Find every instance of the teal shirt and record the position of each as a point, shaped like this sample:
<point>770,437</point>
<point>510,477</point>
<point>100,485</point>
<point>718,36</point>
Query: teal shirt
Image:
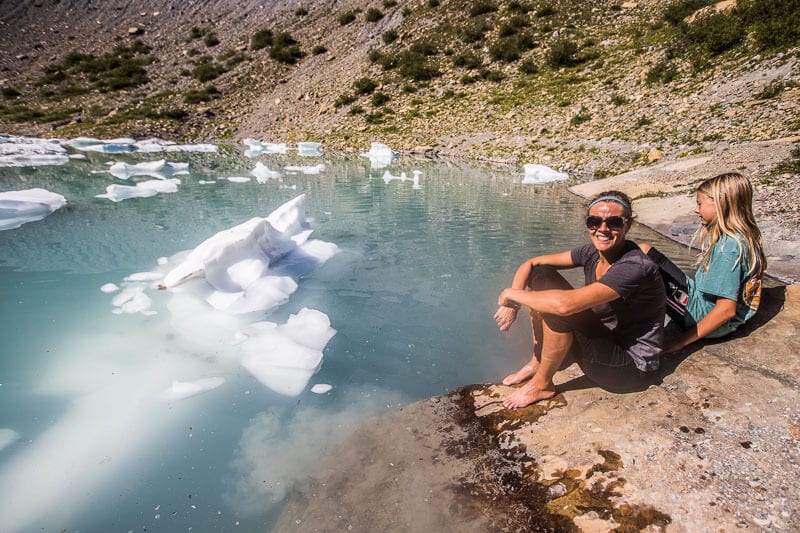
<point>726,277</point>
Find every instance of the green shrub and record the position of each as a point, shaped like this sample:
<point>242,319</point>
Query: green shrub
<point>355,110</point>
<point>379,99</point>
<point>662,72</point>
<point>491,75</point>
<point>619,100</point>
<point>433,3</point>
<point>774,23</point>
<point>261,39</point>
<point>300,12</point>
<point>344,99</point>
<point>467,60</point>
<point>364,85</point>
<point>791,163</point>
<point>716,33</point>
<point>519,7</point>
<point>373,14</point>
<point>643,121</point>
<point>207,71</point>
<point>514,25</point>
<point>424,47</point>
<point>286,54</point>
<point>416,66</point>
<point>546,11</point>
<point>347,17</point>
<point>482,7</point>
<point>509,49</point>
<point>529,66</point>
<point>466,79</point>
<point>211,39</point>
<point>319,49</point>
<point>676,12</point>
<point>475,32</point>
<point>562,54</point>
<point>196,33</point>
<point>206,94</point>
<point>10,93</point>
<point>387,4</point>
<point>582,116</point>
<point>389,36</point>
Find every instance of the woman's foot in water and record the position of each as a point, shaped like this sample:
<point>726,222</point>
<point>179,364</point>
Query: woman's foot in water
<point>526,372</point>
<point>526,395</point>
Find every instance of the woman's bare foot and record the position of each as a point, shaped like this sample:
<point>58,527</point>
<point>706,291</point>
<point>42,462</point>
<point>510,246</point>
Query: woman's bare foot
<point>526,395</point>
<point>520,375</point>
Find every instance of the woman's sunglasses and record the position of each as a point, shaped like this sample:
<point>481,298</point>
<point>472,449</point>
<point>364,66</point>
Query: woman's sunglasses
<point>614,223</point>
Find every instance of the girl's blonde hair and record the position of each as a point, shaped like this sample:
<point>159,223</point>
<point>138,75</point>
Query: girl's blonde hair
<point>732,194</point>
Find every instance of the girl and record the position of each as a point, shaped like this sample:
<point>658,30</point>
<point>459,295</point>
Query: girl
<point>726,288</point>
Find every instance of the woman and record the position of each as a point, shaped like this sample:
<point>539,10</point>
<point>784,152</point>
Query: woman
<point>726,288</point>
<point>613,326</point>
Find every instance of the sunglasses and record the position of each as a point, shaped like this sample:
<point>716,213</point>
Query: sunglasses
<point>614,223</point>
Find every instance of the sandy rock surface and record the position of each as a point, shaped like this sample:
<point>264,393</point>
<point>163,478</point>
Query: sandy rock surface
<point>715,446</point>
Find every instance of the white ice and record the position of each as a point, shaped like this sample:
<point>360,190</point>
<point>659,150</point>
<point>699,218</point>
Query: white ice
<point>263,173</point>
<point>127,145</point>
<point>180,390</point>
<point>20,207</point>
<point>321,388</point>
<point>309,149</point>
<point>314,169</point>
<point>256,148</point>
<point>380,156</point>
<point>160,169</point>
<point>535,174</point>
<point>7,438</point>
<point>237,179</point>
<point>388,177</point>
<point>27,151</point>
<point>109,288</point>
<point>144,189</point>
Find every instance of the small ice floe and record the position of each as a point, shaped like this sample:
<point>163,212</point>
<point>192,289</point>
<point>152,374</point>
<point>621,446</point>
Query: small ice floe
<point>145,276</point>
<point>126,145</point>
<point>206,182</point>
<point>380,156</point>
<point>237,179</point>
<point>388,177</point>
<point>20,207</point>
<point>7,437</point>
<point>180,390</point>
<point>263,173</point>
<point>316,169</point>
<point>292,187</point>
<point>30,152</point>
<point>309,149</point>
<point>256,148</point>
<point>109,288</point>
<point>132,300</point>
<point>535,174</point>
<point>160,169</point>
<point>145,189</point>
<point>321,388</point>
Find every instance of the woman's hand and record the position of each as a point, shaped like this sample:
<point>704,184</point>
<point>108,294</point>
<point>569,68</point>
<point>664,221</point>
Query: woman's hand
<point>506,313</point>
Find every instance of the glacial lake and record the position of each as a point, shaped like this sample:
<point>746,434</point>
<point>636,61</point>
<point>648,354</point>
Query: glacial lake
<point>89,442</point>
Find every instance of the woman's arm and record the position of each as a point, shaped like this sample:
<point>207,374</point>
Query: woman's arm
<point>506,313</point>
<point>560,302</point>
<point>722,311</point>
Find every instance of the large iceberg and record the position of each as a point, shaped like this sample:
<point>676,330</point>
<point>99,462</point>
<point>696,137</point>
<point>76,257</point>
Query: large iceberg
<point>20,207</point>
<point>535,174</point>
<point>27,151</point>
<point>380,156</point>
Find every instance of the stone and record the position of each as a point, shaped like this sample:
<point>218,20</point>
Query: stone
<point>654,155</point>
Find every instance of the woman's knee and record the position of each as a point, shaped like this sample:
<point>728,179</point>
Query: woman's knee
<point>546,277</point>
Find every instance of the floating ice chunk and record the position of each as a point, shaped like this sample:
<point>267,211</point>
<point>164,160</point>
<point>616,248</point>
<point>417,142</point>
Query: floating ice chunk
<point>145,189</point>
<point>109,288</point>
<point>131,300</point>
<point>309,148</point>
<point>112,146</point>
<point>238,179</point>
<point>28,151</point>
<point>380,156</point>
<point>316,169</point>
<point>256,148</point>
<point>206,182</point>
<point>535,174</point>
<point>145,276</point>
<point>263,174</point>
<point>180,390</point>
<point>388,177</point>
<point>285,357</point>
<point>162,260</point>
<point>207,148</point>
<point>29,205</point>
<point>415,179</point>
<point>7,437</point>
<point>321,388</point>
<point>160,169</point>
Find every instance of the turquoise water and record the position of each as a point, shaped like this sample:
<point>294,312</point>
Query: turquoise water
<point>411,294</point>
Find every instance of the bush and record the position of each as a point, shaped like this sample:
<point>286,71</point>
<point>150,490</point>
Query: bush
<point>373,14</point>
<point>582,116</point>
<point>716,33</point>
<point>467,60</point>
<point>424,47</point>
<point>678,11</point>
<point>389,36</point>
<point>261,39</point>
<point>196,33</point>
<point>643,121</point>
<point>491,75</point>
<point>344,99</point>
<point>389,3</point>
<point>286,54</point>
<point>211,39</point>
<point>414,65</point>
<point>319,49</point>
<point>562,54</point>
<point>347,17</point>
<point>546,11</point>
<point>663,72</point>
<point>10,92</point>
<point>379,98</point>
<point>774,23</point>
<point>619,100</point>
<point>364,85</point>
<point>207,71</point>
<point>520,7</point>
<point>514,25</point>
<point>529,66</point>
<point>206,94</point>
<point>475,32</point>
<point>300,12</point>
<point>482,7</point>
<point>510,49</point>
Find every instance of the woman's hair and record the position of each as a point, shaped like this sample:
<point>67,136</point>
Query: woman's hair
<point>613,196</point>
<point>732,194</point>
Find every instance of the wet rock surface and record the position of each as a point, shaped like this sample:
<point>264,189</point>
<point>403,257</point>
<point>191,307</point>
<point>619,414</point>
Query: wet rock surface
<point>714,446</point>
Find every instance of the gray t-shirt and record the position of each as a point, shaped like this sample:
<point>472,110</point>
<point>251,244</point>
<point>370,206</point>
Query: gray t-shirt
<point>636,318</point>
